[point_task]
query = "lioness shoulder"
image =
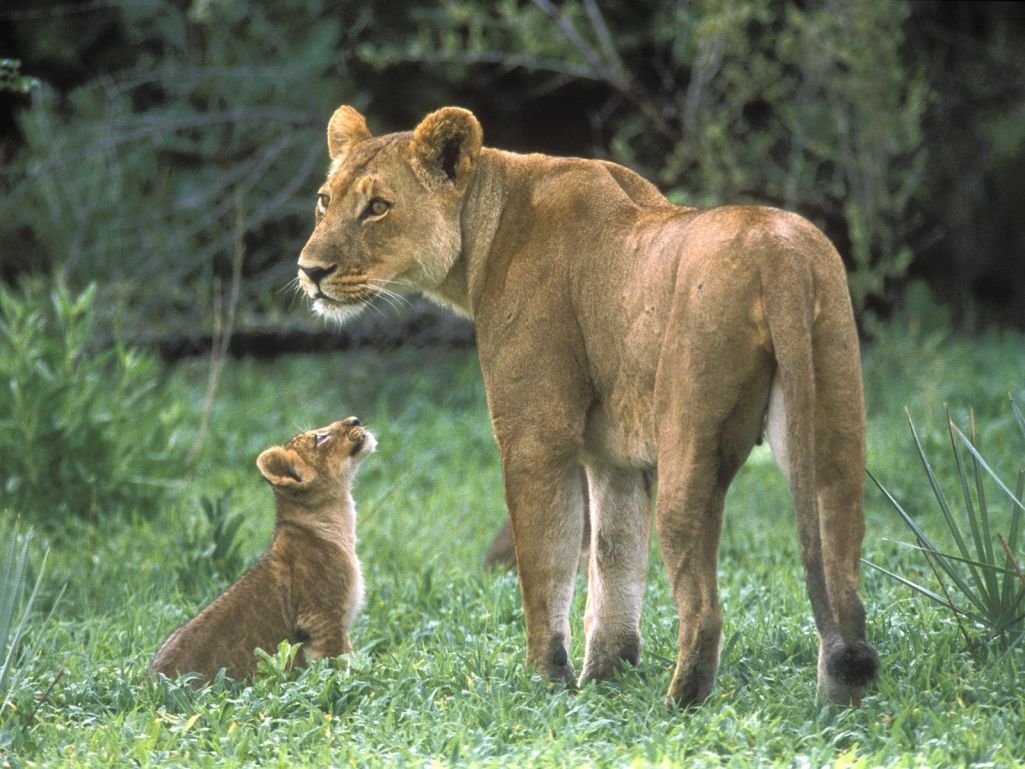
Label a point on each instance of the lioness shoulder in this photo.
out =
(307, 586)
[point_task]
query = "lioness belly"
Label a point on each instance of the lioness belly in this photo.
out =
(622, 433)
(620, 425)
(623, 358)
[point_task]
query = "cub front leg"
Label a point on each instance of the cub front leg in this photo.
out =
(323, 635)
(546, 508)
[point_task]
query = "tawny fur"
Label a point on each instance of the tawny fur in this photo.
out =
(644, 342)
(501, 553)
(307, 587)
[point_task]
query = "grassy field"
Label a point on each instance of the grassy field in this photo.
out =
(438, 678)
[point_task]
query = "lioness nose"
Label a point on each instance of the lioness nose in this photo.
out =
(352, 422)
(315, 273)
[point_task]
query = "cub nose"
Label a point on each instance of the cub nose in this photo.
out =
(351, 422)
(315, 273)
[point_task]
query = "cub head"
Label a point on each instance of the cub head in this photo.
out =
(318, 464)
(388, 215)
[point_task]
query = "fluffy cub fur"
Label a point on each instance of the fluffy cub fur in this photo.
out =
(307, 586)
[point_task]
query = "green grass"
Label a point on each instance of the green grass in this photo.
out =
(438, 677)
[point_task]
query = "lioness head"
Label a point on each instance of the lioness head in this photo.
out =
(388, 215)
(317, 464)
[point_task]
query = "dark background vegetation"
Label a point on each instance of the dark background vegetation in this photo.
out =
(169, 151)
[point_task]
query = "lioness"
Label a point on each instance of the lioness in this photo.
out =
(642, 340)
(307, 586)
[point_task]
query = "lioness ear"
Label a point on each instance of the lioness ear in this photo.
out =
(345, 130)
(447, 143)
(283, 469)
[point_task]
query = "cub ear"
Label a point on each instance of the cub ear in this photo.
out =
(283, 469)
(447, 143)
(345, 130)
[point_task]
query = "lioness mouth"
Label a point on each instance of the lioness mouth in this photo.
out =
(347, 301)
(320, 296)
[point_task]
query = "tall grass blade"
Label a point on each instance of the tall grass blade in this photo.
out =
(931, 549)
(999, 569)
(987, 534)
(1019, 417)
(14, 611)
(947, 514)
(10, 594)
(1006, 601)
(977, 520)
(1019, 503)
(991, 586)
(1011, 593)
(941, 600)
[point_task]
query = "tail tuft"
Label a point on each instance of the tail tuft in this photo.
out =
(853, 664)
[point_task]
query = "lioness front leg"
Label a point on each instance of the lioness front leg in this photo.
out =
(545, 506)
(620, 502)
(501, 553)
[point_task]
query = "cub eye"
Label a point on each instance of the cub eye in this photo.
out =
(323, 200)
(319, 438)
(376, 207)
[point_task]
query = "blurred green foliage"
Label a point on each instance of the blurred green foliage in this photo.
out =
(159, 130)
(808, 108)
(211, 546)
(82, 433)
(138, 179)
(11, 78)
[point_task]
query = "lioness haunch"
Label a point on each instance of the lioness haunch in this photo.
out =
(307, 586)
(648, 343)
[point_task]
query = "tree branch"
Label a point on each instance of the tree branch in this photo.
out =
(609, 70)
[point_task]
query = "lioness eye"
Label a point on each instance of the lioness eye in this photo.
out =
(323, 200)
(319, 438)
(377, 207)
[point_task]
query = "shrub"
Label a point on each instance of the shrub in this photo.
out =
(982, 581)
(11, 78)
(83, 431)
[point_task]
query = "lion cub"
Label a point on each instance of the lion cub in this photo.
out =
(307, 586)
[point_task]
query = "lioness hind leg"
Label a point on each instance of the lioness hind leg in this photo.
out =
(620, 502)
(709, 416)
(689, 523)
